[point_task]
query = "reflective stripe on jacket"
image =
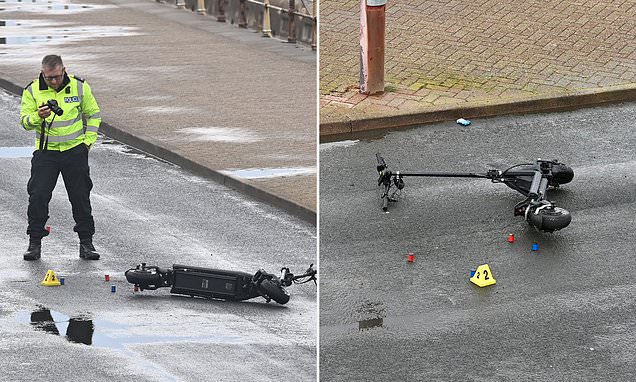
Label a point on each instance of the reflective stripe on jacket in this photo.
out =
(79, 122)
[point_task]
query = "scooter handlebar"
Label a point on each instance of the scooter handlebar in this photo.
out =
(381, 164)
(287, 278)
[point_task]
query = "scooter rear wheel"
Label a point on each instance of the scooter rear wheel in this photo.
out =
(275, 291)
(561, 174)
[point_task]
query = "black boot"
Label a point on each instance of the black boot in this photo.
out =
(87, 250)
(35, 249)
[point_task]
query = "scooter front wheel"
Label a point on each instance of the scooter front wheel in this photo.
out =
(550, 219)
(274, 291)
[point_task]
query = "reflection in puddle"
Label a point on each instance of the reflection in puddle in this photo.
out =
(258, 173)
(372, 323)
(16, 152)
(78, 330)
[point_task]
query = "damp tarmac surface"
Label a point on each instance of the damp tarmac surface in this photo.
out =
(175, 51)
(151, 211)
(563, 312)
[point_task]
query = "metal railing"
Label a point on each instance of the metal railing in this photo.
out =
(272, 20)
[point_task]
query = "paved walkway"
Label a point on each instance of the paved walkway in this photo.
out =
(206, 95)
(450, 54)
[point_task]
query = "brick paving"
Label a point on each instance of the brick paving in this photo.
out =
(456, 53)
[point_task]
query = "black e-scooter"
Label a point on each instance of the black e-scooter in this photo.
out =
(530, 179)
(217, 283)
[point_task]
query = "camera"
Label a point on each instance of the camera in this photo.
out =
(52, 104)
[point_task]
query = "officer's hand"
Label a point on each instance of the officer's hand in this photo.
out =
(44, 111)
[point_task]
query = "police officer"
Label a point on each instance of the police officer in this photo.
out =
(64, 116)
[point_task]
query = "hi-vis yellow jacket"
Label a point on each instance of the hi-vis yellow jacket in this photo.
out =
(78, 124)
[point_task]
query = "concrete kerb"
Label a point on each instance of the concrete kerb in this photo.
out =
(366, 127)
(11, 87)
(235, 183)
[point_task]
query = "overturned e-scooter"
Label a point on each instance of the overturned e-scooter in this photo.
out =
(530, 179)
(216, 283)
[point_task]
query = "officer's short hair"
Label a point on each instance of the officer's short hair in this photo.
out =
(52, 61)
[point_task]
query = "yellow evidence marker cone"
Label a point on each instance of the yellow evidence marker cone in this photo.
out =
(483, 276)
(51, 279)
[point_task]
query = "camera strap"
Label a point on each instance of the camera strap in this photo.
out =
(44, 145)
(42, 135)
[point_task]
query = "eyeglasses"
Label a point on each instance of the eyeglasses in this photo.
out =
(53, 78)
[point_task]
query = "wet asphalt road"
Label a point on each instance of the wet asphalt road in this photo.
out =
(566, 312)
(148, 211)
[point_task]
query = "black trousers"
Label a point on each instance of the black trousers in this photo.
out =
(45, 169)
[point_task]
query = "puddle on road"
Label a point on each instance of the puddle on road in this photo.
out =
(129, 150)
(331, 145)
(16, 152)
(372, 323)
(28, 32)
(221, 134)
(103, 333)
(112, 335)
(47, 6)
(260, 173)
(375, 311)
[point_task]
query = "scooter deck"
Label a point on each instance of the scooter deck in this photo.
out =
(213, 283)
